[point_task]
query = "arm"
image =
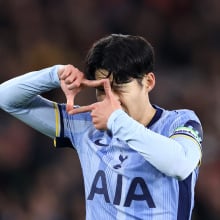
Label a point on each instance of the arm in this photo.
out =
(21, 98)
(177, 156)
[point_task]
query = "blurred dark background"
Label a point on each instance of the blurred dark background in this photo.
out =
(38, 181)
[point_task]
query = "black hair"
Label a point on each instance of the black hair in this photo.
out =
(124, 56)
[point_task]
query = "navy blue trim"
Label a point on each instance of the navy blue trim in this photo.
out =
(196, 126)
(185, 196)
(61, 121)
(156, 117)
(62, 141)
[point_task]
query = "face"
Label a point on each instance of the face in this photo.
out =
(133, 96)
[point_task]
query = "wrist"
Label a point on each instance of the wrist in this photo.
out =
(117, 113)
(60, 69)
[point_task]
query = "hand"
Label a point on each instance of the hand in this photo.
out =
(72, 81)
(101, 111)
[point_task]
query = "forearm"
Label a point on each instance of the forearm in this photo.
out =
(20, 97)
(172, 157)
(19, 91)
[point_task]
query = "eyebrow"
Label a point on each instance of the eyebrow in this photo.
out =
(120, 85)
(116, 86)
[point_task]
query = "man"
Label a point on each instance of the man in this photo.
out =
(139, 161)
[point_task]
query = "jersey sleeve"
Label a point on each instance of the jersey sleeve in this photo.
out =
(21, 98)
(62, 139)
(176, 157)
(73, 128)
(191, 129)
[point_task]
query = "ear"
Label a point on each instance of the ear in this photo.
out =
(149, 81)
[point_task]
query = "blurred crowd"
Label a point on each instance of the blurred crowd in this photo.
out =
(38, 181)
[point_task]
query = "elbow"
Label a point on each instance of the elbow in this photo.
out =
(11, 99)
(8, 103)
(181, 175)
(182, 168)
(184, 161)
(7, 106)
(5, 103)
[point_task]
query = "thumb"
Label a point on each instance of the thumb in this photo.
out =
(69, 102)
(70, 95)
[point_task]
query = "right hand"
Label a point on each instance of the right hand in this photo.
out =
(72, 81)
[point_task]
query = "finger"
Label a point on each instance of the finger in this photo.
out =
(69, 102)
(107, 88)
(64, 74)
(68, 69)
(93, 83)
(70, 79)
(73, 86)
(81, 109)
(76, 82)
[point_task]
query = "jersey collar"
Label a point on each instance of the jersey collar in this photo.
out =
(156, 116)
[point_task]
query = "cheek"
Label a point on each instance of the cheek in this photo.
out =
(132, 102)
(127, 103)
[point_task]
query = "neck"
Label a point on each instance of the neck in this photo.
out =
(148, 114)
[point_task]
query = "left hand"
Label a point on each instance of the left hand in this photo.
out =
(101, 111)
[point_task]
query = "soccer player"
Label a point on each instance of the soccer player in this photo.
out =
(139, 161)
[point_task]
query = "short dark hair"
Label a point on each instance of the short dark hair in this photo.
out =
(124, 56)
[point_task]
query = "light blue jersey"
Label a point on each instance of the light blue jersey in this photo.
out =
(119, 182)
(130, 171)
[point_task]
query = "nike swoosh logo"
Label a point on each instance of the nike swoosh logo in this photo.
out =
(97, 142)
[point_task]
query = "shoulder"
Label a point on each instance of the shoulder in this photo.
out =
(171, 120)
(74, 124)
(185, 121)
(72, 127)
(180, 116)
